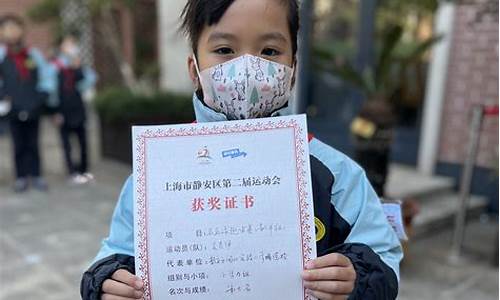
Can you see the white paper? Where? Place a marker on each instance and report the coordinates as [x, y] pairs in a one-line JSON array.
[[5, 107], [193, 240], [393, 213]]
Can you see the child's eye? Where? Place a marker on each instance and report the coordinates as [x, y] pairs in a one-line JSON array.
[[224, 51], [270, 52]]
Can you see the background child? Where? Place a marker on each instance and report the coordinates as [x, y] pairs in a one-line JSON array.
[[73, 80], [358, 251], [27, 80]]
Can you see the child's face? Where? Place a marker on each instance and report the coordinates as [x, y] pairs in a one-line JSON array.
[[257, 27], [12, 33], [69, 46]]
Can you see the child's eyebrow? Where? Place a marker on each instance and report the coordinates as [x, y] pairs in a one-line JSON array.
[[274, 36], [217, 35]]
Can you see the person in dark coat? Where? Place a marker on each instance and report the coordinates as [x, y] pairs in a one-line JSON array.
[[74, 80], [27, 81]]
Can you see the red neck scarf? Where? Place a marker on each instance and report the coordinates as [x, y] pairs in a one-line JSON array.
[[20, 58], [68, 75]]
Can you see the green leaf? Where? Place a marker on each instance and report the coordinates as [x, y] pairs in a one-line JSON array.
[[349, 74], [45, 10], [416, 53], [385, 59], [369, 79]]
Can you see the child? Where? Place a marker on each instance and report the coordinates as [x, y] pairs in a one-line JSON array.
[[27, 80], [74, 79], [4, 106], [358, 252]]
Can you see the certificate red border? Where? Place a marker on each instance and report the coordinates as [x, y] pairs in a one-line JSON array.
[[196, 130]]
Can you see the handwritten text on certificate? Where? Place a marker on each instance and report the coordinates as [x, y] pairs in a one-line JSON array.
[[223, 210]]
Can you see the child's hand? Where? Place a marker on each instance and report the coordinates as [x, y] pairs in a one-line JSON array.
[[123, 285], [329, 277]]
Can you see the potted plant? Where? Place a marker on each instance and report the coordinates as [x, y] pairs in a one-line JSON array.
[[373, 126]]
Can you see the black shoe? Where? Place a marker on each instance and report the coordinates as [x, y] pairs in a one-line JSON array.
[[21, 185]]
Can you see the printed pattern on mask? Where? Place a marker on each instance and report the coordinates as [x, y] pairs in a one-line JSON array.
[[247, 87]]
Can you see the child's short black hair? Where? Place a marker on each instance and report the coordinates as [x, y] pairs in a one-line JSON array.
[[200, 13], [12, 18]]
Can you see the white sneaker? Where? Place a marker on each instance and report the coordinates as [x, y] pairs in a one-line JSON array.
[[78, 179], [89, 176]]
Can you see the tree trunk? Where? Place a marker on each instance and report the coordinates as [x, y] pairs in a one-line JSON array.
[[110, 32]]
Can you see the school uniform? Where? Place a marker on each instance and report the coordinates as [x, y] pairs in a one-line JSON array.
[[27, 80], [347, 209], [72, 83]]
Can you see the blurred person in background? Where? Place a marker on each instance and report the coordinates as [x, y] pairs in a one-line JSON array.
[[4, 106], [27, 81], [73, 80]]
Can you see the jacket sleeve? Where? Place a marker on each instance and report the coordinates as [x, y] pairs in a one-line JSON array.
[[372, 244], [93, 278], [88, 79], [117, 250], [46, 72], [47, 81], [375, 279]]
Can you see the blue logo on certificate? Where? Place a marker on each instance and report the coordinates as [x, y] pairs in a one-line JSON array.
[[233, 153]]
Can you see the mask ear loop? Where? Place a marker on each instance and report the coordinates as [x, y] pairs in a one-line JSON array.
[[197, 68], [199, 91]]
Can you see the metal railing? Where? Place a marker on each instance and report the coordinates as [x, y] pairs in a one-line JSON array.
[[479, 112]]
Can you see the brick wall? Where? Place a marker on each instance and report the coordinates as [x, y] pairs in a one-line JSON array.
[[37, 35], [472, 79]]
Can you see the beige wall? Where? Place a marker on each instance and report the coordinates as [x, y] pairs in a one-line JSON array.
[[174, 48]]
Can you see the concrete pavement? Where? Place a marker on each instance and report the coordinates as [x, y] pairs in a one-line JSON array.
[[47, 239]]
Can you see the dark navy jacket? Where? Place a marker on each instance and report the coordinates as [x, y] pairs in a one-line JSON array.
[[349, 220], [72, 83], [28, 95]]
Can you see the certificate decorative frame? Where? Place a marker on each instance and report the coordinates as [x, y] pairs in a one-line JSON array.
[[204, 130]]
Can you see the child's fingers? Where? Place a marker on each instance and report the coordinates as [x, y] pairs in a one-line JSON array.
[[113, 297], [127, 278], [333, 259], [331, 273], [326, 296], [330, 287], [116, 288]]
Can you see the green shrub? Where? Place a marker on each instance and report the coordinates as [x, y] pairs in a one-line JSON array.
[[119, 104]]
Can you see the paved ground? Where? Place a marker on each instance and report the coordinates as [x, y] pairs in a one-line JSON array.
[[48, 239], [428, 274]]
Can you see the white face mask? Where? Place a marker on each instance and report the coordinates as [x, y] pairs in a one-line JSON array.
[[246, 87]]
